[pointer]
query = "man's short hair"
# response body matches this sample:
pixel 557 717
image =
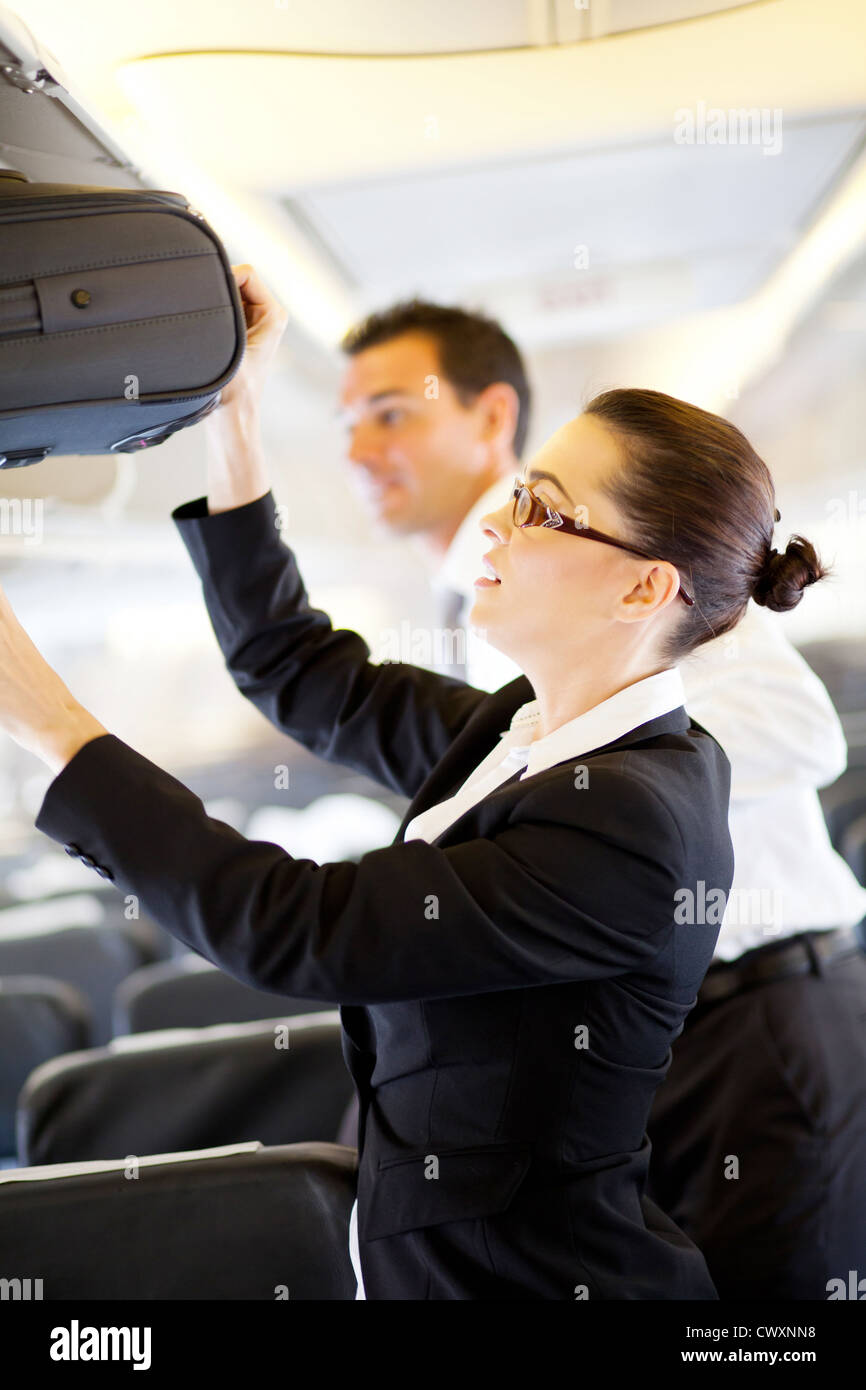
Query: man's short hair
pixel 474 350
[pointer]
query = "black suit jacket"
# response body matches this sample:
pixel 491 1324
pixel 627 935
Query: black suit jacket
pixel 509 993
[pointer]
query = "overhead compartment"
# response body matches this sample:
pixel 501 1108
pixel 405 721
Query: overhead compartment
pixel 44 131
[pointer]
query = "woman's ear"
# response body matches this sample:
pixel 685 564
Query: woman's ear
pixel 657 587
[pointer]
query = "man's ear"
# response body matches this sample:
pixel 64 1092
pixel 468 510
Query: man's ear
pixel 656 589
pixel 500 406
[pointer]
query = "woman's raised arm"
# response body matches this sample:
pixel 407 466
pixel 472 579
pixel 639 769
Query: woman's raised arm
pixel 318 685
pixel 314 682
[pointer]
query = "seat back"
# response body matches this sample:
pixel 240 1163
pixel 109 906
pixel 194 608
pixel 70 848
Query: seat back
pixel 39 1019
pixel 84 947
pixel 852 847
pixel 192 993
pixel 245 1223
pixel 283 1081
pixel 844 802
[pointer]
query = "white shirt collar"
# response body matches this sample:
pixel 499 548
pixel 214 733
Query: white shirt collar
pixel 626 710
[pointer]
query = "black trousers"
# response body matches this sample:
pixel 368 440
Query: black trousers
pixel 759 1134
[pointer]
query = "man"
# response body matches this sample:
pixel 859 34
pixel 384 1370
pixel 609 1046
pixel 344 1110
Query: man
pixel 437 402
pixel 759 1130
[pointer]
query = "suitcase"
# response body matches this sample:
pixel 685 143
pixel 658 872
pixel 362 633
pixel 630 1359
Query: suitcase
pixel 120 319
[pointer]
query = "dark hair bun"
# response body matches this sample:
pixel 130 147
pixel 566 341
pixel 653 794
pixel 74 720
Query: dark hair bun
pixel 784 577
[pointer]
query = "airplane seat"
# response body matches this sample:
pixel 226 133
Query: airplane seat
pixel 91 958
pixel 244 1222
pixel 280 1081
pixel 40 1018
pixel 190 992
pixel 844 802
pixel 852 847
pixel 348 1131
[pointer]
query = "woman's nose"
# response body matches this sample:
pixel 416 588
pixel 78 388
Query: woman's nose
pixel 497 524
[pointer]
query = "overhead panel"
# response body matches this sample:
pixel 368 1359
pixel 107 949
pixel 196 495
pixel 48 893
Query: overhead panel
pixel 593 242
pixel 573 20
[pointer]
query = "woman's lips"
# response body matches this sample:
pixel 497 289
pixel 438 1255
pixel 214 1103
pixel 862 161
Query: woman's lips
pixel 491 577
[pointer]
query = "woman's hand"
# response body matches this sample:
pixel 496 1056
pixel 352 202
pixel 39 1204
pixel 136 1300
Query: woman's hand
pixel 237 472
pixel 266 321
pixel 37 710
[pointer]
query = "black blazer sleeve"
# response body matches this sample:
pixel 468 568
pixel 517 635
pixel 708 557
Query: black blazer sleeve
pixel 569 887
pixel 392 721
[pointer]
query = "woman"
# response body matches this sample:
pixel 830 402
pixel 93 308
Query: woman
pixel 513 969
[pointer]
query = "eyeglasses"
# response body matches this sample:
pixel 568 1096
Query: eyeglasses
pixel 528 511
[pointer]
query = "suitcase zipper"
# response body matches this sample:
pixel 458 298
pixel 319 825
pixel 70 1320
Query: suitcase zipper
pixel 14 206
pixel 122 195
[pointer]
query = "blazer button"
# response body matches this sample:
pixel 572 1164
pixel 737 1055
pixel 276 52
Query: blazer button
pixel 88 860
pixel 72 849
pixel 103 872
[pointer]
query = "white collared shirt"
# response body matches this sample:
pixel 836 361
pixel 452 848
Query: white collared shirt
pixel 758 697
pixel 519 750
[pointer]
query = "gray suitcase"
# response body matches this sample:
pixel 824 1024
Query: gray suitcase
pixel 120 319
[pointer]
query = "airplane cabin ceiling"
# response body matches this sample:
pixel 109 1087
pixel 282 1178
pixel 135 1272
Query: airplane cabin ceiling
pixel 700 232
pixel 466 151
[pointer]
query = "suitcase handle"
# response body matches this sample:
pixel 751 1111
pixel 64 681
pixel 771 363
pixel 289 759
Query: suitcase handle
pixel 157 434
pixel 17 458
